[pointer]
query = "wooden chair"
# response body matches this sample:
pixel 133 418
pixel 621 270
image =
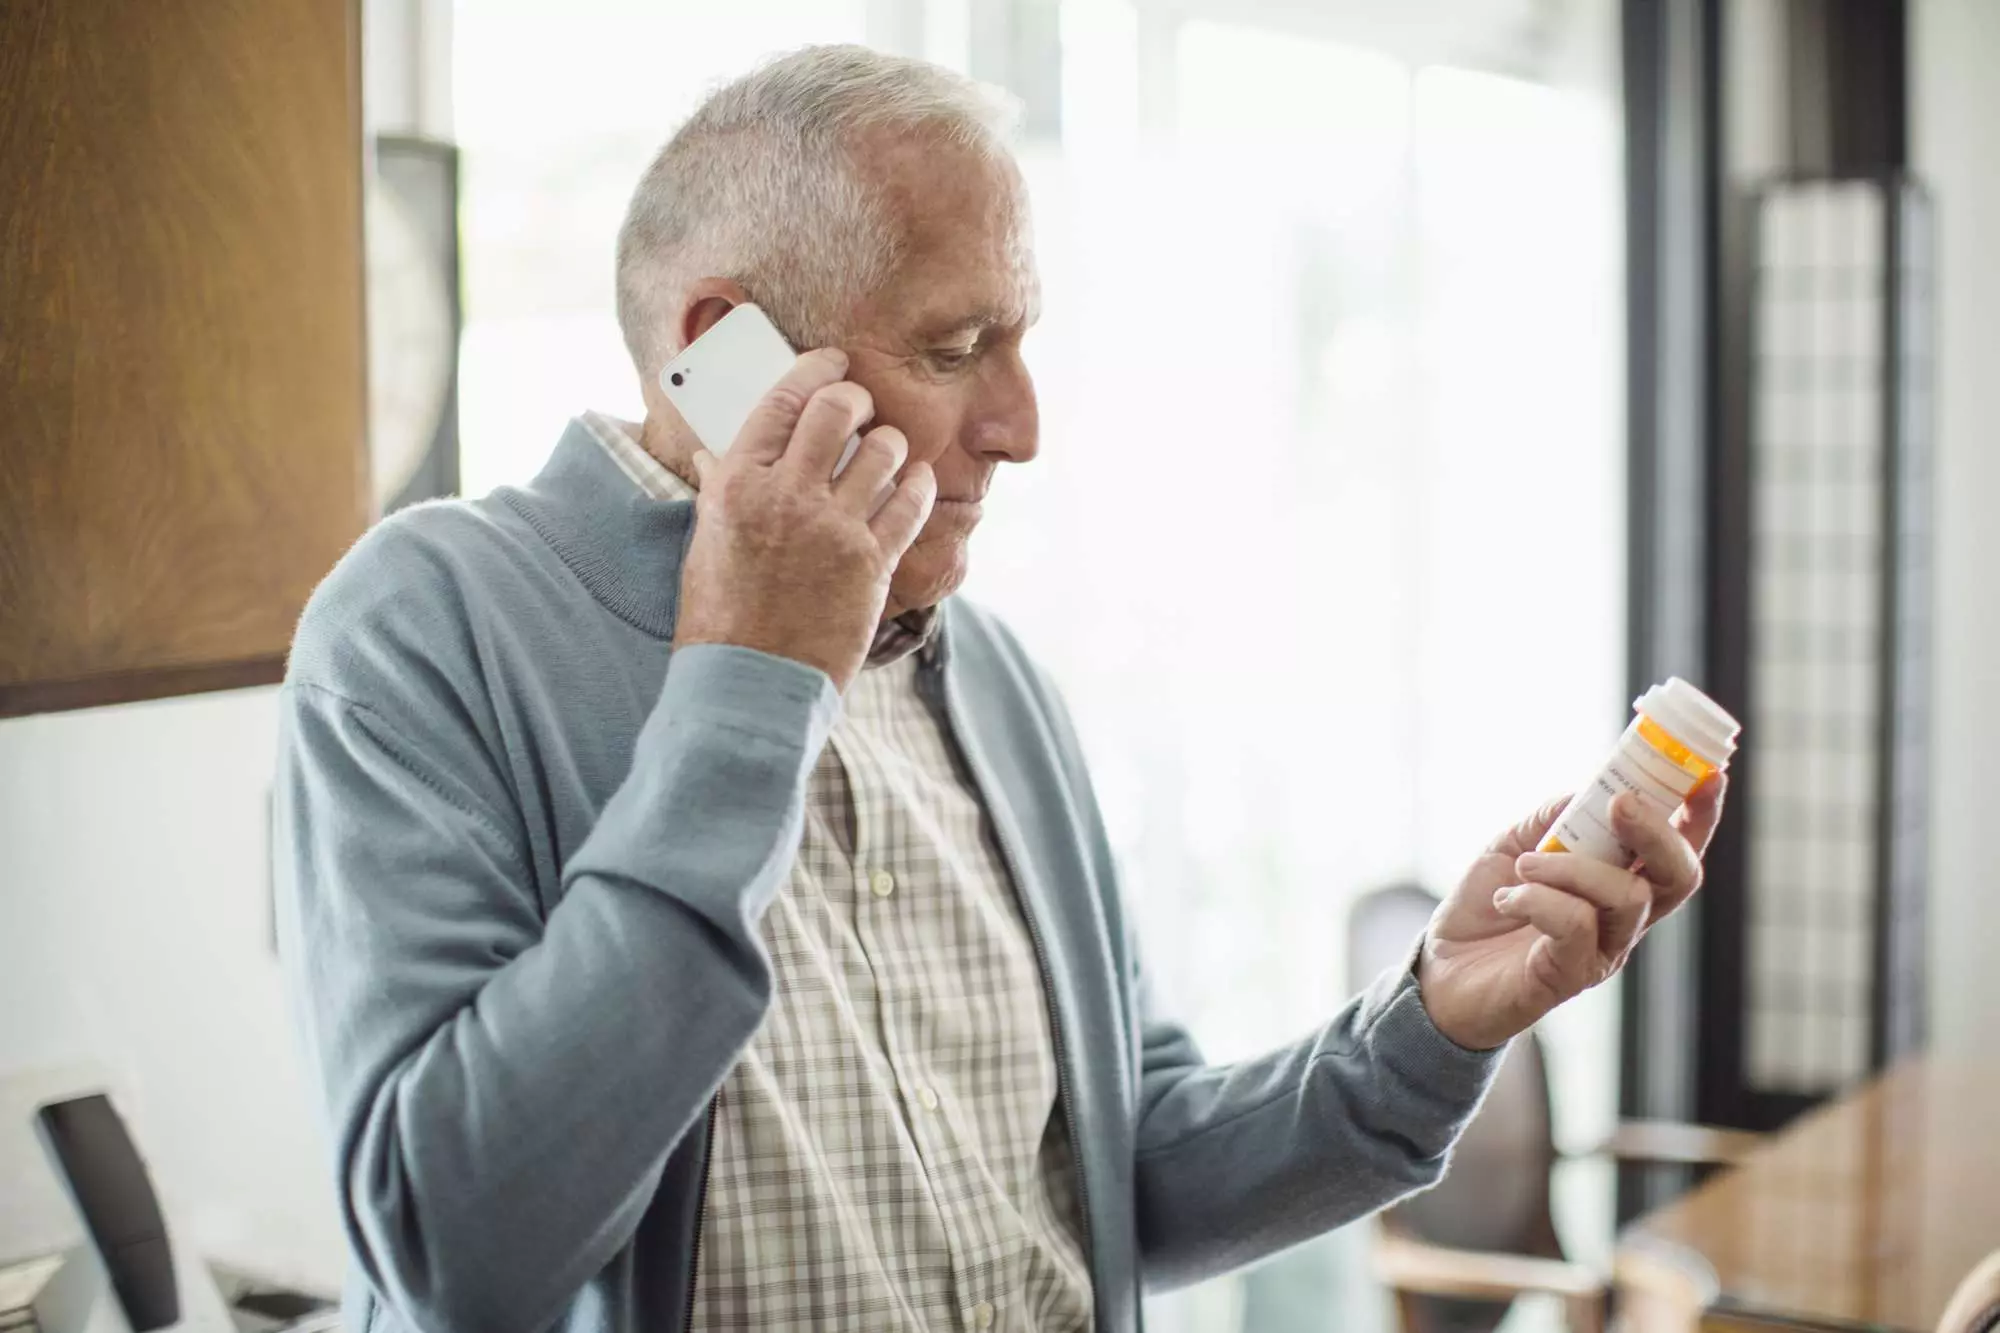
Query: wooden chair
pixel 1975 1306
pixel 1458 1255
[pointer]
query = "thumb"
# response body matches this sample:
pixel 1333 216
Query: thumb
pixel 1527 835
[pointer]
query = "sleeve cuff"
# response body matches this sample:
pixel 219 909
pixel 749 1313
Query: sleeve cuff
pixel 1398 1027
pixel 756 693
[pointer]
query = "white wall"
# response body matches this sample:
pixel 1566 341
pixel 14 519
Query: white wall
pixel 1955 49
pixel 134 935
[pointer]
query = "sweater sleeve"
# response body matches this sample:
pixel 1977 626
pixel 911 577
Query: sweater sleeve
pixel 1236 1162
pixel 504 1089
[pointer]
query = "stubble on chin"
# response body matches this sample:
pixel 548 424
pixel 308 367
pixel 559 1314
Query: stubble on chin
pixel 932 569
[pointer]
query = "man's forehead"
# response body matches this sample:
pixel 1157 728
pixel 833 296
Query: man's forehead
pixel 972 297
pixel 967 258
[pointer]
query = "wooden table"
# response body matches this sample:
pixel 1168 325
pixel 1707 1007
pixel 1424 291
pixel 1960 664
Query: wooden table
pixel 1864 1214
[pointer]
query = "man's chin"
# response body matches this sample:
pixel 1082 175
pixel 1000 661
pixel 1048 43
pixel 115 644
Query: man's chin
pixel 929 573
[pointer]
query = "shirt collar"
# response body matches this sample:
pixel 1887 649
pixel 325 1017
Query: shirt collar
pixel 620 439
pixel 911 632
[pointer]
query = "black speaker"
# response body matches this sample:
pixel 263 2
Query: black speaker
pixel 115 1196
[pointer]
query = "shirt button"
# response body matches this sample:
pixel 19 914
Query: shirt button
pixel 982 1315
pixel 882 883
pixel 930 1100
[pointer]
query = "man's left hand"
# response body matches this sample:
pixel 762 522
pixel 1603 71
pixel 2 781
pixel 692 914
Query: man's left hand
pixel 1526 930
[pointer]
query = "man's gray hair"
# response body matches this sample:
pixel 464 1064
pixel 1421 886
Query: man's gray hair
pixel 761 186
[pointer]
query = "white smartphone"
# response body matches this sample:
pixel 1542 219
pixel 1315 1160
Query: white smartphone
pixel 719 377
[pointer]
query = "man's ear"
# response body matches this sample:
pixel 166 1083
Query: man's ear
pixel 708 300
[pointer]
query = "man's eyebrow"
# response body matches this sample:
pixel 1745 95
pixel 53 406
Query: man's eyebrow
pixel 977 320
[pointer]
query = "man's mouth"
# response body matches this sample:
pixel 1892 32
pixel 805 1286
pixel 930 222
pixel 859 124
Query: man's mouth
pixel 952 519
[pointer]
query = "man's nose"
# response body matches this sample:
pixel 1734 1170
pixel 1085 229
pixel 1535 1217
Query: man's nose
pixel 1008 429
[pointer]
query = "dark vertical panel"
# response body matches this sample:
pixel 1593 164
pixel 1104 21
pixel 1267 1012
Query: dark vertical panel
pixel 1641 60
pixel 1879 1026
pixel 1844 82
pixel 1900 1017
pixel 1667 91
pixel 1729 232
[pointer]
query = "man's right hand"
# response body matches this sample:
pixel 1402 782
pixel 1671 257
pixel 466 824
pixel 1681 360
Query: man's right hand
pixel 787 559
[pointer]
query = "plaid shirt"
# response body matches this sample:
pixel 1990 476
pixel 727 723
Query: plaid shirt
pixel 888 1152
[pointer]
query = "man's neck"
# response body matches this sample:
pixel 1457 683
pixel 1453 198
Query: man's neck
pixel 671 445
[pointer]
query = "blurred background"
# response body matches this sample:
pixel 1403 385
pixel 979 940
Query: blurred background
pixel 1509 354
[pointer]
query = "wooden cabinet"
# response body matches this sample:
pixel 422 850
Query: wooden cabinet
pixel 182 405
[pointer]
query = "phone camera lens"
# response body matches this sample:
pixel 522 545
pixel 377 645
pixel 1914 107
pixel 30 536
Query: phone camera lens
pixel 678 379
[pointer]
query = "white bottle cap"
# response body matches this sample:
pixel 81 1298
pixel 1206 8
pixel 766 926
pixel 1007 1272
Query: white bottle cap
pixel 1692 718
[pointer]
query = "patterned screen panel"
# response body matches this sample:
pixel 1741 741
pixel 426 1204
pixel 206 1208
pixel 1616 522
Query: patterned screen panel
pixel 1838 630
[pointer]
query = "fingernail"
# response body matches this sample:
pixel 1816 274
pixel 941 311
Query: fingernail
pixel 1504 898
pixel 1529 862
pixel 838 359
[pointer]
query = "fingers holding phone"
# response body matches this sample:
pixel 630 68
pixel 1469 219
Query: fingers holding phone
pixel 741 387
pixel 790 555
pixel 763 433
pixel 830 419
pixel 870 477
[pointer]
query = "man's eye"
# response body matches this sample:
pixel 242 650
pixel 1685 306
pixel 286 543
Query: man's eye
pixel 951 358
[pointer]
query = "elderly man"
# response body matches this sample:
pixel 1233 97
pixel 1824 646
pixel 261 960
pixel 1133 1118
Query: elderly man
pixel 703 920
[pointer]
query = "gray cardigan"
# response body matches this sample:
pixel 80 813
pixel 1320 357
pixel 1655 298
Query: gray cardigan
pixel 522 860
